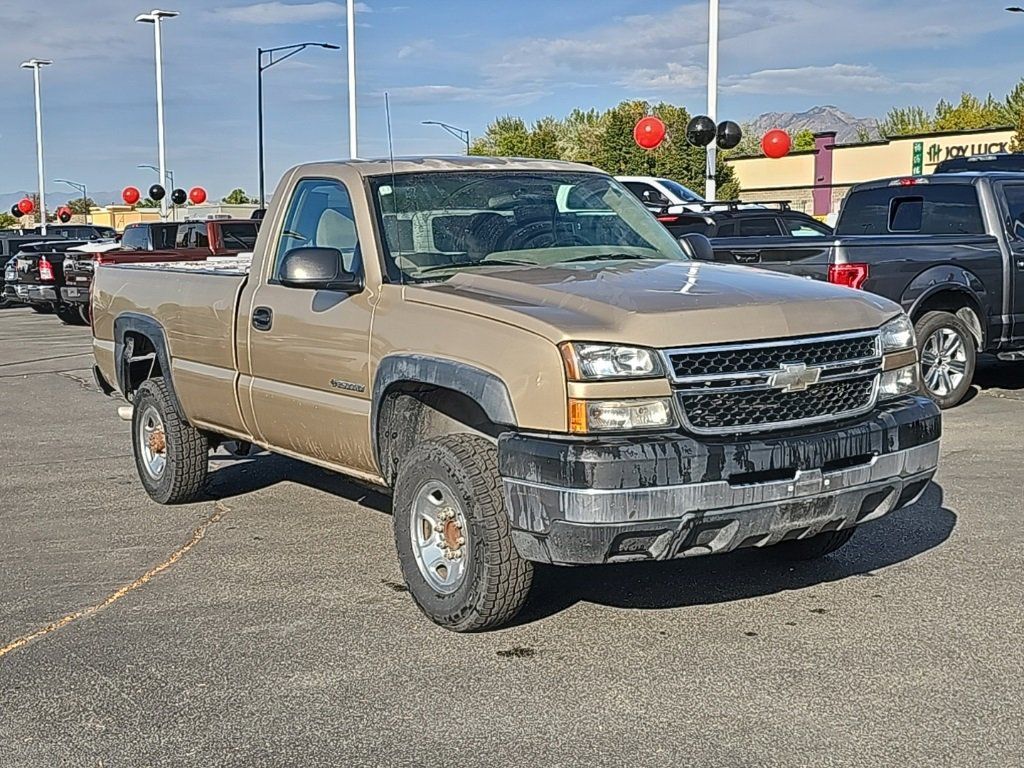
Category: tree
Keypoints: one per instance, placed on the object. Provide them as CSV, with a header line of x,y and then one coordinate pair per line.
x,y
906,121
581,135
1017,142
81,206
617,152
237,196
147,203
543,139
505,137
803,140
971,113
7,221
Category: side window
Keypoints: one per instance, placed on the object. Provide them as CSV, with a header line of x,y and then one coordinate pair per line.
x,y
905,214
202,239
182,238
134,239
760,226
1014,194
803,228
647,194
320,214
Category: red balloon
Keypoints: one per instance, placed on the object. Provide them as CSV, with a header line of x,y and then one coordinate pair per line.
x,y
130,195
649,132
197,195
776,143
26,206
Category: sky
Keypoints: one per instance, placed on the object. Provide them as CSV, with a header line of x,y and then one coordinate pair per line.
x,y
459,61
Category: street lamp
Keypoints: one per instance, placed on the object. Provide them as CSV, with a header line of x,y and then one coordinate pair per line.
x,y
710,186
460,133
34,65
168,180
353,141
1015,9
80,188
155,17
291,50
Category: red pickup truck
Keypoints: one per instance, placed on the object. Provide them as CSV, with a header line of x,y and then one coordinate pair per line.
x,y
157,242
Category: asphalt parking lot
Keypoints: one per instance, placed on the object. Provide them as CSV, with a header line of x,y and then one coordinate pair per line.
x,y
268,625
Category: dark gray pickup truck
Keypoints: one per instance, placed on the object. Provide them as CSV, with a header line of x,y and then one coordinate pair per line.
x,y
949,248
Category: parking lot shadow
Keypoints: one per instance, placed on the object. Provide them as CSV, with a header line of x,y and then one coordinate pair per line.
x,y
744,574
996,374
740,575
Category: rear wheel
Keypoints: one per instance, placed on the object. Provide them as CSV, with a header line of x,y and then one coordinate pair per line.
x,y
42,309
85,313
948,356
453,536
171,455
814,547
70,315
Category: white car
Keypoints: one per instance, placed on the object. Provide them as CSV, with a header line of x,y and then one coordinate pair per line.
x,y
661,194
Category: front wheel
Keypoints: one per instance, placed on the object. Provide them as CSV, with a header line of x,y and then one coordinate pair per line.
x,y
453,536
948,357
171,455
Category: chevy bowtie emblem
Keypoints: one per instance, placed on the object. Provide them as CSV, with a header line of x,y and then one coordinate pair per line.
x,y
794,377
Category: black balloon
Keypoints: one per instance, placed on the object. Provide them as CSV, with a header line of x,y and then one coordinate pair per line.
x,y
64,216
15,211
701,131
179,196
729,135
156,192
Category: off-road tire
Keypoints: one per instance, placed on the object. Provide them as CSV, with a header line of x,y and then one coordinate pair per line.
x,y
186,448
814,547
497,580
928,324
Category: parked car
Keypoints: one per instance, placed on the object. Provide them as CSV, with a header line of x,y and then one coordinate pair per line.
x,y
1004,161
538,376
38,277
194,241
659,194
949,248
736,219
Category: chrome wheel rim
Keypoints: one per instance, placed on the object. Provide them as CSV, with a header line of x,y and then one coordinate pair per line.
x,y
439,535
152,442
944,362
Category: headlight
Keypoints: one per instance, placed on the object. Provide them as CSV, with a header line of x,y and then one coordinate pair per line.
x,y
586,416
592,362
902,381
898,334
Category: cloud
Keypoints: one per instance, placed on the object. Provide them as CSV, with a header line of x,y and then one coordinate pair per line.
x,y
416,48
430,94
276,12
814,80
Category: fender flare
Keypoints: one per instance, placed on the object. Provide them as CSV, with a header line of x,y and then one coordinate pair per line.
x,y
942,279
485,388
133,322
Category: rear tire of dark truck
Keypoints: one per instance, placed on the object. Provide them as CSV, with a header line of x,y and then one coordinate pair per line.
x,y
42,309
453,536
948,354
814,547
171,455
70,315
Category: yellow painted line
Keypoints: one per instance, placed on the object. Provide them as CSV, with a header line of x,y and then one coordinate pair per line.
x,y
197,535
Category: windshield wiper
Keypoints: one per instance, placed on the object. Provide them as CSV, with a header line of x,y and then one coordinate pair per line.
x,y
474,264
608,257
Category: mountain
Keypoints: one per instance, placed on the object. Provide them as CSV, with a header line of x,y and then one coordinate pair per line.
x,y
828,118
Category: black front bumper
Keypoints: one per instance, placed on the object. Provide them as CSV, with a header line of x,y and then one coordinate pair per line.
x,y
577,501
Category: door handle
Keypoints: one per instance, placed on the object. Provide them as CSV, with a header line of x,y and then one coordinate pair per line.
x,y
747,257
262,318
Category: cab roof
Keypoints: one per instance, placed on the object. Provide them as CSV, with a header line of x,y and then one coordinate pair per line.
x,y
428,163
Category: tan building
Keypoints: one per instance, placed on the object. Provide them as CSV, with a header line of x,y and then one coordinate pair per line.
x,y
816,181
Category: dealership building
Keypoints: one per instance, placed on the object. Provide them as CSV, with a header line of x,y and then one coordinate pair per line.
x,y
817,180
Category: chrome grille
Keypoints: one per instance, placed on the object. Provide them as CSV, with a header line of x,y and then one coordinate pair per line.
x,y
775,385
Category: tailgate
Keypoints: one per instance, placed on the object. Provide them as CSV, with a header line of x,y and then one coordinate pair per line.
x,y
802,256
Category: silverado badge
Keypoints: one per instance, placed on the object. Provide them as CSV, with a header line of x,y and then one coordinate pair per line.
x,y
794,377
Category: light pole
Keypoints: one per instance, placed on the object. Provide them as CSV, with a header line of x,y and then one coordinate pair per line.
x,y
168,180
34,65
353,139
291,50
460,133
80,188
155,17
710,186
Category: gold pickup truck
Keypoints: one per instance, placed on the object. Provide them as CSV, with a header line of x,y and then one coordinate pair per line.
x,y
532,363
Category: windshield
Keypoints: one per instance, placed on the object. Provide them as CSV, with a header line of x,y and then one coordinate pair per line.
x,y
439,223
685,194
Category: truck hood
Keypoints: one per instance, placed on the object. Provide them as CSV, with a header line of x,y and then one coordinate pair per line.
x,y
657,303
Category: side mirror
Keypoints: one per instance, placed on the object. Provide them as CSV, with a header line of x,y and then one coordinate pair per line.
x,y
697,247
318,269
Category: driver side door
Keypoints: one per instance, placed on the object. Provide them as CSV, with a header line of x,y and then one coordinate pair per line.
x,y
309,349
1014,196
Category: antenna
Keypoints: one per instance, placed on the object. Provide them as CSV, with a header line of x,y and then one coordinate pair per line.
x,y
394,187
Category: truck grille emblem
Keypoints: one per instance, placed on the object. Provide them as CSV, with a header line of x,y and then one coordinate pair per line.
x,y
794,377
